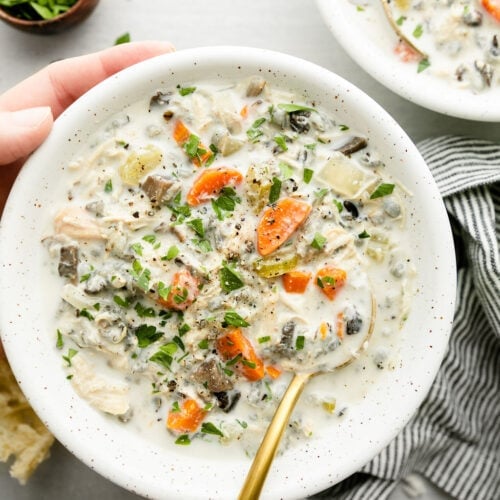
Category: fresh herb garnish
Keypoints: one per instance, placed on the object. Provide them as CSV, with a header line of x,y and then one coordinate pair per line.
x,y
363,235
262,340
234,319
183,329
108,187
209,428
183,91
146,335
307,175
242,423
59,341
203,245
180,210
197,226
192,149
172,253
343,127
400,20
175,407
125,38
150,238
137,248
164,356
163,290
36,10
311,146
229,279
318,241
423,65
299,342
292,108
71,354
144,312
339,205
226,202
275,190
122,302
86,314
84,277
382,190
183,440
203,344
286,170
280,140
417,32
254,132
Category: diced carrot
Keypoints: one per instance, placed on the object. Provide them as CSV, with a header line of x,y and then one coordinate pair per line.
x,y
296,281
210,182
234,344
273,372
406,53
244,111
278,222
184,290
340,325
323,330
187,419
330,279
181,136
493,8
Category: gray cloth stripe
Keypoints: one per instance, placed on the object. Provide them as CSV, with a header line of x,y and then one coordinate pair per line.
x,y
454,437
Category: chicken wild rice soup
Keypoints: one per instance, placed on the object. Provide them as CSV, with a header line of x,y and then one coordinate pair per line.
x,y
459,39
214,237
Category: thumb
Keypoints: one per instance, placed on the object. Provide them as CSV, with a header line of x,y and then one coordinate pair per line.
x,y
21,132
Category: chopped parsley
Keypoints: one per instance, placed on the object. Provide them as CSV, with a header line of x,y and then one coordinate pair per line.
x,y
400,20
180,210
172,253
203,344
84,277
164,356
183,440
183,329
125,38
183,91
163,290
286,170
175,407
229,279
254,132
226,202
108,187
382,190
137,248
299,342
280,140
234,319
275,190
307,175
318,241
192,149
59,341
339,205
363,235
423,65
146,335
343,127
144,312
417,32
86,314
197,226
243,424
262,340
209,428
71,354
122,302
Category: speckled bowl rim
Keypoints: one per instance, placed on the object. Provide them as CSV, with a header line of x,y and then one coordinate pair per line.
x,y
109,447
375,55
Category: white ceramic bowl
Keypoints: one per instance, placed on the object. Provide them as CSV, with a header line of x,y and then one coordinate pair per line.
x,y
145,466
368,38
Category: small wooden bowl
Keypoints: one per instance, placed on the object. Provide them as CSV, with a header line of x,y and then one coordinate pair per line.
x,y
76,14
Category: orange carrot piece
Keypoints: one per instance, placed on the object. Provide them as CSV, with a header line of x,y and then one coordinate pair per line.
x,y
184,290
278,222
330,279
273,372
187,419
340,325
181,136
244,111
323,330
234,344
493,8
296,281
406,53
210,182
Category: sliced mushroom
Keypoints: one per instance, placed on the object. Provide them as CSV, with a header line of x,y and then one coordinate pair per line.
x,y
210,374
256,86
299,121
227,400
68,262
354,144
485,70
159,188
472,17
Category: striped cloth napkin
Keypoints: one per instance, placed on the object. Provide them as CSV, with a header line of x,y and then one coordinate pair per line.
x,y
454,438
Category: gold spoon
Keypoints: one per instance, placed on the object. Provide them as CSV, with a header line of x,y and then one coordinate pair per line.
x,y
265,455
399,31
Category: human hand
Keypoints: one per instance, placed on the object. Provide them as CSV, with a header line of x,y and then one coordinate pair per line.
x,y
28,110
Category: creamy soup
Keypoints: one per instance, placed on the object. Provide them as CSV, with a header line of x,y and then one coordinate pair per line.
x,y
460,39
215,237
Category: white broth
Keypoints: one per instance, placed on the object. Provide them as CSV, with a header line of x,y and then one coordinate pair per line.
x,y
213,237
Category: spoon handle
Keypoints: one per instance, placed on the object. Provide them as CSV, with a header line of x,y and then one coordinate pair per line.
x,y
267,450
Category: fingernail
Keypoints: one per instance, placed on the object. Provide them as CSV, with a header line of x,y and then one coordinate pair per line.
x,y
30,118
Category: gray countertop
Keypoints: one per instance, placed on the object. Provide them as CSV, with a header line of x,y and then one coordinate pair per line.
x,y
291,26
